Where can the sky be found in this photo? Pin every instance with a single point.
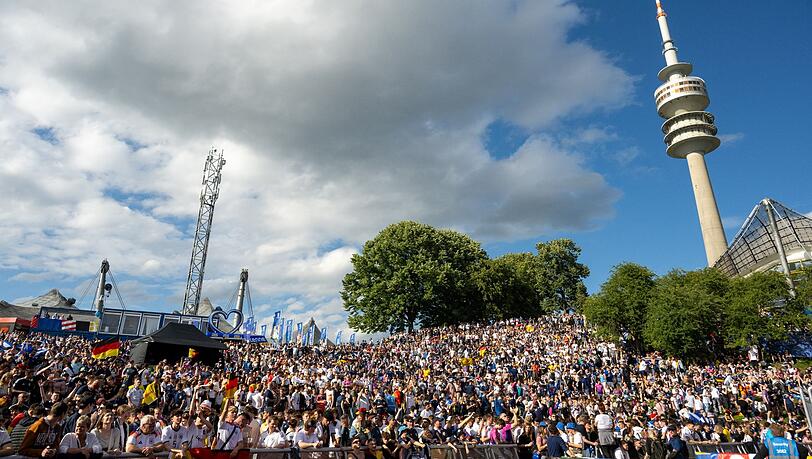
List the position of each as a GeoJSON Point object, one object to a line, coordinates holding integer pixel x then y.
{"type": "Point", "coordinates": [515, 122]}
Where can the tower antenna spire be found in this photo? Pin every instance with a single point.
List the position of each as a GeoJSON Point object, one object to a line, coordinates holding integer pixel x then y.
{"type": "Point", "coordinates": [690, 134]}
{"type": "Point", "coordinates": [669, 49]}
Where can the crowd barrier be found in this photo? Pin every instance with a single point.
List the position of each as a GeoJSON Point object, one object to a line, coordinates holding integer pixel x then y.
{"type": "Point", "coordinates": [700, 449]}
{"type": "Point", "coordinates": [434, 452]}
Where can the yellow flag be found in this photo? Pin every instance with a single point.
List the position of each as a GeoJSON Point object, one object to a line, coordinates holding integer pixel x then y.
{"type": "Point", "coordinates": [151, 393]}
{"type": "Point", "coordinates": [529, 328]}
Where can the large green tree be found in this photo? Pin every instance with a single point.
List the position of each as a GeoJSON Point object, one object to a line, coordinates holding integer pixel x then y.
{"type": "Point", "coordinates": [758, 307]}
{"type": "Point", "coordinates": [685, 313]}
{"type": "Point", "coordinates": [507, 286]}
{"type": "Point", "coordinates": [803, 286]}
{"type": "Point", "coordinates": [559, 275]}
{"type": "Point", "coordinates": [411, 274]}
{"type": "Point", "coordinates": [620, 308]}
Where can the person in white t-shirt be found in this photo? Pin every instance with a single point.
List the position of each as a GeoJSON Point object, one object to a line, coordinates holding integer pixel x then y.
{"type": "Point", "coordinates": [176, 436]}
{"type": "Point", "coordinates": [273, 438]}
{"type": "Point", "coordinates": [307, 438]}
{"type": "Point", "coordinates": [229, 433]}
{"type": "Point", "coordinates": [146, 440]}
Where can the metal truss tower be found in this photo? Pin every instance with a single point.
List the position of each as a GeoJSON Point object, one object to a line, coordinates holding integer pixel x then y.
{"type": "Point", "coordinates": [208, 196]}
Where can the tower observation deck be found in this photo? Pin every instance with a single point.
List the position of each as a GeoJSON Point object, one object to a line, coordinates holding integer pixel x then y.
{"type": "Point", "coordinates": [690, 134]}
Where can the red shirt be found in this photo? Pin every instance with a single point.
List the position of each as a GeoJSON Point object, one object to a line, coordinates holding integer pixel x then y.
{"type": "Point", "coordinates": [16, 419]}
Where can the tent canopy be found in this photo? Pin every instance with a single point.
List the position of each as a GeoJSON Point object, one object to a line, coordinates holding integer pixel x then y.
{"type": "Point", "coordinates": [182, 335]}
{"type": "Point", "coordinates": [172, 342]}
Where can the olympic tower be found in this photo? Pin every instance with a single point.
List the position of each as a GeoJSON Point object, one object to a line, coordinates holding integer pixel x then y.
{"type": "Point", "coordinates": [690, 134]}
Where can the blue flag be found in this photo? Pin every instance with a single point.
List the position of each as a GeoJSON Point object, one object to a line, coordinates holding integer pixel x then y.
{"type": "Point", "coordinates": [276, 316]}
{"type": "Point", "coordinates": [7, 345]}
{"type": "Point", "coordinates": [289, 331]}
{"type": "Point", "coordinates": [311, 333]}
{"type": "Point", "coordinates": [281, 329]}
{"type": "Point", "coordinates": [352, 338]}
{"type": "Point", "coordinates": [323, 335]}
{"type": "Point", "coordinates": [338, 337]}
{"type": "Point", "coordinates": [264, 329]}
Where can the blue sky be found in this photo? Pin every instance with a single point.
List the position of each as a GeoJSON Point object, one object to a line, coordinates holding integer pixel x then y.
{"type": "Point", "coordinates": [750, 56]}
{"type": "Point", "coordinates": [513, 122]}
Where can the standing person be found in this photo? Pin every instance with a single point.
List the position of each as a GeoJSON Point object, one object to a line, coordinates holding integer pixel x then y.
{"type": "Point", "coordinates": [135, 394]}
{"type": "Point", "coordinates": [42, 437]}
{"type": "Point", "coordinates": [606, 433]}
{"type": "Point", "coordinates": [146, 440]}
{"type": "Point", "coordinates": [777, 446]}
{"type": "Point", "coordinates": [676, 446]}
{"type": "Point", "coordinates": [176, 436]}
{"type": "Point", "coordinates": [81, 443]}
{"type": "Point", "coordinates": [307, 438]}
{"type": "Point", "coordinates": [108, 434]}
{"type": "Point", "coordinates": [229, 432]}
{"type": "Point", "coordinates": [555, 446]}
{"type": "Point", "coordinates": [273, 438]}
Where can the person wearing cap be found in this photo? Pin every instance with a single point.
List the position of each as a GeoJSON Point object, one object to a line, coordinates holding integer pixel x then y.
{"type": "Point", "coordinates": [575, 441]}
{"type": "Point", "coordinates": [777, 446]}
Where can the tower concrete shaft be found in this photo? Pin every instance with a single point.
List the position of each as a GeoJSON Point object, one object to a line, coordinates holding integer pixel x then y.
{"type": "Point", "coordinates": [690, 133]}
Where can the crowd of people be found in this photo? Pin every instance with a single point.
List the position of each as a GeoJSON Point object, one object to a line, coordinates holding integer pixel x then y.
{"type": "Point", "coordinates": [548, 385]}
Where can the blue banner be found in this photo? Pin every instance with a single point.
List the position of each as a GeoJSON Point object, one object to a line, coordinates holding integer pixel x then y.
{"type": "Point", "coordinates": [352, 338]}
{"type": "Point", "coordinates": [276, 316]}
{"type": "Point", "coordinates": [311, 333]}
{"type": "Point", "coordinates": [264, 329]}
{"type": "Point", "coordinates": [289, 330]}
{"type": "Point", "coordinates": [323, 335]}
{"type": "Point", "coordinates": [338, 337]}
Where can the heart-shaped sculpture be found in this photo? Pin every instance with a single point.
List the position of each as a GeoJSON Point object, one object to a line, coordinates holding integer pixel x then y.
{"type": "Point", "coordinates": [222, 316]}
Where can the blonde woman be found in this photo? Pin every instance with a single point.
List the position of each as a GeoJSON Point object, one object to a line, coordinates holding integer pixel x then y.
{"type": "Point", "coordinates": [81, 442]}
{"type": "Point", "coordinates": [109, 435]}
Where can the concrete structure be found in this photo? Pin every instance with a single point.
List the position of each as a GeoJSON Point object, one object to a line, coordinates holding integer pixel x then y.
{"type": "Point", "coordinates": [690, 134]}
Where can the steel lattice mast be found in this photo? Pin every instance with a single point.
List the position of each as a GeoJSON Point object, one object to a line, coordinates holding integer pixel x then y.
{"type": "Point", "coordinates": [208, 196]}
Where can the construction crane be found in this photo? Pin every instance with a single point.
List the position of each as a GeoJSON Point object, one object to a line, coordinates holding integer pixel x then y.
{"type": "Point", "coordinates": [211, 189]}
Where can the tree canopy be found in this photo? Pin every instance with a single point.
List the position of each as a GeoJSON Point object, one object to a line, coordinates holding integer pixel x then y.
{"type": "Point", "coordinates": [619, 310]}
{"type": "Point", "coordinates": [412, 274]}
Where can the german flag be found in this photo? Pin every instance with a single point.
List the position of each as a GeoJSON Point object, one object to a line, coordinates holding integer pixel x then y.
{"type": "Point", "coordinates": [231, 387]}
{"type": "Point", "coordinates": [106, 348]}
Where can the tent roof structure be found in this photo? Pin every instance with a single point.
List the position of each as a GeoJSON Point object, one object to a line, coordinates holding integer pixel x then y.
{"type": "Point", "coordinates": [182, 335]}
{"type": "Point", "coordinates": [754, 245]}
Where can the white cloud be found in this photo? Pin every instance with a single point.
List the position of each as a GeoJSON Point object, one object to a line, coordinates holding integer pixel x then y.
{"type": "Point", "coordinates": [336, 118]}
{"type": "Point", "coordinates": [731, 138]}
{"type": "Point", "coordinates": [732, 222]}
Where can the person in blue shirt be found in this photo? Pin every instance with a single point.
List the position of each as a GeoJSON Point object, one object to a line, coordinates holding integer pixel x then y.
{"type": "Point", "coordinates": [776, 446]}
{"type": "Point", "coordinates": [555, 444]}
{"type": "Point", "coordinates": [676, 446]}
